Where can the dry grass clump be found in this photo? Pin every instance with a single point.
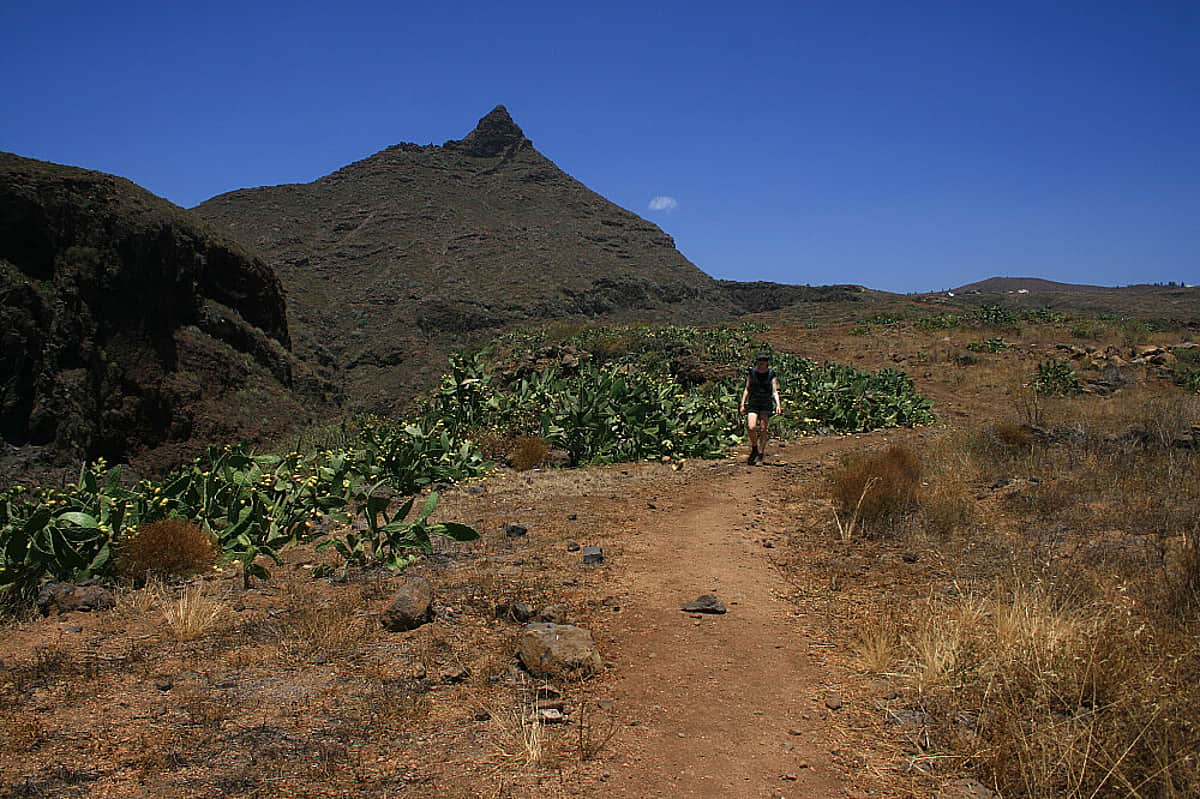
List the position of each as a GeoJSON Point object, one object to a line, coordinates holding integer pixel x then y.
{"type": "Point", "coordinates": [946, 507]}
{"type": "Point", "coordinates": [495, 445]}
{"type": "Point", "coordinates": [193, 614]}
{"type": "Point", "coordinates": [334, 628]}
{"type": "Point", "coordinates": [528, 452]}
{"type": "Point", "coordinates": [167, 547]}
{"type": "Point", "coordinates": [520, 738]}
{"type": "Point", "coordinates": [1000, 445]}
{"type": "Point", "coordinates": [1065, 699]}
{"type": "Point", "coordinates": [878, 642]}
{"type": "Point", "coordinates": [877, 489]}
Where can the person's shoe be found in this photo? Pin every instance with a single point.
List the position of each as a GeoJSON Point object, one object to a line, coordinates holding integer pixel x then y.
{"type": "Point", "coordinates": [753, 455]}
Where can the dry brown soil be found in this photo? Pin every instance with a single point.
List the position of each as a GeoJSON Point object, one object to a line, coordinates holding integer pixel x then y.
{"type": "Point", "coordinates": [296, 691]}
{"type": "Point", "coordinates": [277, 700]}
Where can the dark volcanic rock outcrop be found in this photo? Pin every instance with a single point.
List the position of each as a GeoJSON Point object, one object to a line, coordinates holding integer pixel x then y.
{"type": "Point", "coordinates": [390, 261]}
{"type": "Point", "coordinates": [760, 295]}
{"type": "Point", "coordinates": [126, 323]}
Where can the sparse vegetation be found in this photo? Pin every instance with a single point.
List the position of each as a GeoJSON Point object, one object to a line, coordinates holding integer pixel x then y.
{"type": "Point", "coordinates": [1055, 378]}
{"type": "Point", "coordinates": [877, 490]}
{"type": "Point", "coordinates": [193, 614]}
{"type": "Point", "coordinates": [1077, 672]}
{"type": "Point", "coordinates": [992, 344]}
{"type": "Point", "coordinates": [1019, 589]}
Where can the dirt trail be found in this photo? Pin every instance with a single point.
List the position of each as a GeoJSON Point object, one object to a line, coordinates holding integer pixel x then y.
{"type": "Point", "coordinates": [721, 706]}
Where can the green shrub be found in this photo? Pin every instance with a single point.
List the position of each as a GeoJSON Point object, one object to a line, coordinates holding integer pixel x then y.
{"type": "Point", "coordinates": [993, 344]}
{"type": "Point", "coordinates": [944, 321]}
{"type": "Point", "coordinates": [1188, 377]}
{"type": "Point", "coordinates": [993, 316]}
{"type": "Point", "coordinates": [1056, 378]}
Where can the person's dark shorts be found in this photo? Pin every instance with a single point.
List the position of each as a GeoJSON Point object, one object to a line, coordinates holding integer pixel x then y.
{"type": "Point", "coordinates": [761, 410]}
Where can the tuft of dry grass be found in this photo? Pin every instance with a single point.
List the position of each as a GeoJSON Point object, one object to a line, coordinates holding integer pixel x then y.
{"type": "Point", "coordinates": [877, 489]}
{"type": "Point", "coordinates": [193, 614]}
{"type": "Point", "coordinates": [520, 737]}
{"type": "Point", "coordinates": [1071, 698]}
{"type": "Point", "coordinates": [946, 507]}
{"type": "Point", "coordinates": [167, 547]}
{"type": "Point", "coordinates": [878, 644]}
{"type": "Point", "coordinates": [333, 628]}
{"type": "Point", "coordinates": [528, 452]}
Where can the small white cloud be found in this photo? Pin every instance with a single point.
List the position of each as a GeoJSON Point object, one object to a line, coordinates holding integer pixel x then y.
{"type": "Point", "coordinates": [662, 203]}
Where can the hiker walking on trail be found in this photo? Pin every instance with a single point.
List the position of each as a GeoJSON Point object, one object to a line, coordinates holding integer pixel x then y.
{"type": "Point", "coordinates": [760, 399]}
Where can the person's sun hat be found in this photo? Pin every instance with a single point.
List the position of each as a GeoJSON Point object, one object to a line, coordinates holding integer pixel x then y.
{"type": "Point", "coordinates": [762, 356]}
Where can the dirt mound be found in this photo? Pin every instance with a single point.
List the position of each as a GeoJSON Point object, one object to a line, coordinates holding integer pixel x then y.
{"type": "Point", "coordinates": [128, 325]}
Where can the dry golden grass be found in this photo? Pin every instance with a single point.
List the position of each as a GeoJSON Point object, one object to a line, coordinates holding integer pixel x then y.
{"type": "Point", "coordinates": [878, 644]}
{"type": "Point", "coordinates": [316, 626]}
{"type": "Point", "coordinates": [519, 738]}
{"type": "Point", "coordinates": [1069, 699]}
{"type": "Point", "coordinates": [193, 614]}
{"type": "Point", "coordinates": [877, 489]}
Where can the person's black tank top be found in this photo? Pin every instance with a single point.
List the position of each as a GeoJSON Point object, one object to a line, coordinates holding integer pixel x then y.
{"type": "Point", "coordinates": [760, 386]}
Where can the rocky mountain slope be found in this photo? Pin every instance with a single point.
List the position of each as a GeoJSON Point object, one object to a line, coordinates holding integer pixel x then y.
{"type": "Point", "coordinates": [390, 261]}
{"type": "Point", "coordinates": [130, 328]}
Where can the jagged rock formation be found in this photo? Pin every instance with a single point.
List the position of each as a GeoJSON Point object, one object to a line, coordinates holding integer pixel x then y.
{"type": "Point", "coordinates": [128, 326]}
{"type": "Point", "coordinates": [391, 260]}
{"type": "Point", "coordinates": [760, 295]}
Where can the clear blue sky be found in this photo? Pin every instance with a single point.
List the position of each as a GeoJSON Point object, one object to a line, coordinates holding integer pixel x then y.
{"type": "Point", "coordinates": [906, 146]}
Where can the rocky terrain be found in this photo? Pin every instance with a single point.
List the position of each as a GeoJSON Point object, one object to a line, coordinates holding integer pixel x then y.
{"type": "Point", "coordinates": [390, 261]}
{"type": "Point", "coordinates": [131, 329]}
{"type": "Point", "coordinates": [1026, 627]}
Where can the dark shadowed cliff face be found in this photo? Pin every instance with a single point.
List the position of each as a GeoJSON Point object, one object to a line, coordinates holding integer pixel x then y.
{"type": "Point", "coordinates": [126, 324]}
{"type": "Point", "coordinates": [391, 260]}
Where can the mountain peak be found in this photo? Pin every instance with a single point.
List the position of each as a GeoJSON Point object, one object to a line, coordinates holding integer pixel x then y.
{"type": "Point", "coordinates": [494, 134]}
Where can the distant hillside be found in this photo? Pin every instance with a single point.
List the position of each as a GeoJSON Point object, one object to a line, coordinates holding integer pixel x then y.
{"type": "Point", "coordinates": [1007, 284]}
{"type": "Point", "coordinates": [390, 261]}
{"type": "Point", "coordinates": [1146, 301]}
{"type": "Point", "coordinates": [131, 329]}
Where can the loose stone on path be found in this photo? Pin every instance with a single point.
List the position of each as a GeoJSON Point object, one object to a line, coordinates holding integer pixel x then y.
{"type": "Point", "coordinates": [705, 603]}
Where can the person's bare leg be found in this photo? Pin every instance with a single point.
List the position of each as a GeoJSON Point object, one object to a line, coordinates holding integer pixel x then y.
{"type": "Point", "coordinates": [762, 436]}
{"type": "Point", "coordinates": [752, 434]}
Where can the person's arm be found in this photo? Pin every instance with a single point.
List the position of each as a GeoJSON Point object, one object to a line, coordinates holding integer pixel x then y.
{"type": "Point", "coordinates": [745, 396]}
{"type": "Point", "coordinates": [775, 392]}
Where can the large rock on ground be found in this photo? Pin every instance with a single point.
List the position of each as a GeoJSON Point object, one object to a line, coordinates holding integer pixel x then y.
{"type": "Point", "coordinates": [411, 607]}
{"type": "Point", "coordinates": [553, 650]}
{"type": "Point", "coordinates": [68, 597]}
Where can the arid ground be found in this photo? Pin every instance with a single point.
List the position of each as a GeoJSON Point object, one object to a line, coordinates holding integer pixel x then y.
{"type": "Point", "coordinates": [1020, 622]}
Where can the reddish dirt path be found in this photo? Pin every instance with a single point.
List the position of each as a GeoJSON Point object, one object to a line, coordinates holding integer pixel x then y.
{"type": "Point", "coordinates": [716, 706]}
